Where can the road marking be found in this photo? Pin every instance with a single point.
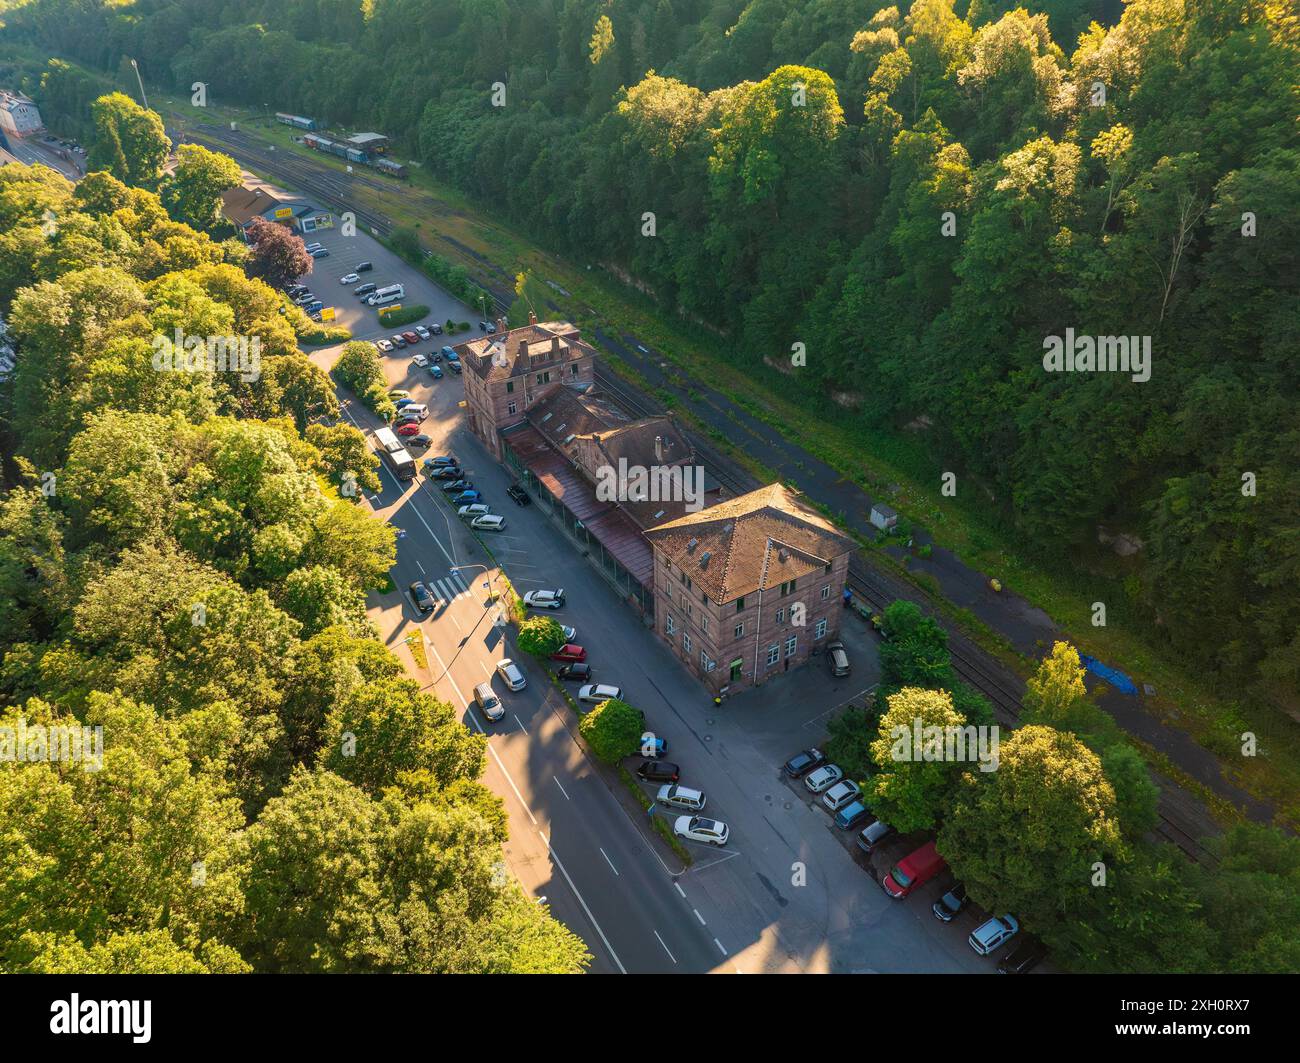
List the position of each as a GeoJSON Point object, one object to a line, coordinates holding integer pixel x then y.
{"type": "Point", "coordinates": [520, 723]}
{"type": "Point", "coordinates": [677, 886]}
{"type": "Point", "coordinates": [719, 944]}
{"type": "Point", "coordinates": [666, 949]}
{"type": "Point", "coordinates": [455, 621]}
{"type": "Point", "coordinates": [486, 669]}
{"type": "Point", "coordinates": [566, 793]}
{"type": "Point", "coordinates": [609, 861]}
{"type": "Point", "coordinates": [699, 917]}
{"type": "Point", "coordinates": [563, 871]}
{"type": "Point", "coordinates": [419, 566]}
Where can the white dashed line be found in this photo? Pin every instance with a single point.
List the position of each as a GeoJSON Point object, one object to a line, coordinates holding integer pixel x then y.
{"type": "Point", "coordinates": [609, 861]}
{"type": "Point", "coordinates": [520, 723]}
{"type": "Point", "coordinates": [613, 955]}
{"type": "Point", "coordinates": [678, 887]}
{"type": "Point", "coordinates": [566, 794]}
{"type": "Point", "coordinates": [699, 917]}
{"type": "Point", "coordinates": [666, 949]}
{"type": "Point", "coordinates": [720, 948]}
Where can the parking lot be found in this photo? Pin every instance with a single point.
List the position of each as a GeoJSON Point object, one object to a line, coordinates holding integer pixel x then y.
{"type": "Point", "coordinates": [345, 253]}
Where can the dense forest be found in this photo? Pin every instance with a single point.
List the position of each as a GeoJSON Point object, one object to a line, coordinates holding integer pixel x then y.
{"type": "Point", "coordinates": [183, 566]}
{"type": "Point", "coordinates": [922, 196]}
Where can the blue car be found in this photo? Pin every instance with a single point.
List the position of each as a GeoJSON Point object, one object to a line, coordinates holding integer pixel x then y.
{"type": "Point", "coordinates": [435, 372]}
{"type": "Point", "coordinates": [399, 403]}
{"type": "Point", "coordinates": [452, 356]}
{"type": "Point", "coordinates": [851, 815]}
{"type": "Point", "coordinates": [467, 497]}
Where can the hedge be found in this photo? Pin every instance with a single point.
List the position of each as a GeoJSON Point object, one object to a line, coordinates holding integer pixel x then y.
{"type": "Point", "coordinates": [403, 315]}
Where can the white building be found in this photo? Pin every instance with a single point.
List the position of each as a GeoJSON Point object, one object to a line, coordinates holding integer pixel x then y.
{"type": "Point", "coordinates": [18, 115]}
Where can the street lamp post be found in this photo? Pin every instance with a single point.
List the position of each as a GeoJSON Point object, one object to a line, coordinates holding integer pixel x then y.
{"type": "Point", "coordinates": [140, 81]}
{"type": "Point", "coordinates": [488, 583]}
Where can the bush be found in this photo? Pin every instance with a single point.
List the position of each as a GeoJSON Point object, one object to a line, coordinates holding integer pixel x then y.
{"type": "Point", "coordinates": [360, 371]}
{"type": "Point", "coordinates": [613, 729]}
{"type": "Point", "coordinates": [540, 635]}
{"type": "Point", "coordinates": [402, 315]}
{"type": "Point", "coordinates": [849, 744]}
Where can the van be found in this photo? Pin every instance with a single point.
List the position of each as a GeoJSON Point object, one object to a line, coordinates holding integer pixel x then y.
{"type": "Point", "coordinates": [389, 294]}
{"type": "Point", "coordinates": [913, 871]}
{"type": "Point", "coordinates": [681, 797]}
{"type": "Point", "coordinates": [418, 409]}
{"type": "Point", "coordinates": [488, 702]}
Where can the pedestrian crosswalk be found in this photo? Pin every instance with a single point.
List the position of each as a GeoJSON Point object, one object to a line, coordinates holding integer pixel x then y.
{"type": "Point", "coordinates": [450, 589]}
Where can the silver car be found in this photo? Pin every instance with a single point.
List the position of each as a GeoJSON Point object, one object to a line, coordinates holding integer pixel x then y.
{"type": "Point", "coordinates": [823, 778]}
{"type": "Point", "coordinates": [509, 671]}
{"type": "Point", "coordinates": [841, 794]}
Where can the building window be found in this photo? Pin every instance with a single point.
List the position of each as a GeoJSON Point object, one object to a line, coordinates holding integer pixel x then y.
{"type": "Point", "coordinates": [687, 580]}
{"type": "Point", "coordinates": [819, 632]}
{"type": "Point", "coordinates": [791, 644]}
{"type": "Point", "coordinates": [826, 592]}
{"type": "Point", "coordinates": [740, 605]}
{"type": "Point", "coordinates": [704, 624]}
{"type": "Point", "coordinates": [787, 588]}
{"type": "Point", "coordinates": [686, 642]}
{"type": "Point", "coordinates": [543, 378]}
{"type": "Point", "coordinates": [669, 626]}
{"type": "Point", "coordinates": [773, 655]}
{"type": "Point", "coordinates": [828, 569]}
{"type": "Point", "coordinates": [513, 408]}
{"type": "Point", "coordinates": [740, 630]}
{"type": "Point", "coordinates": [573, 370]}
{"type": "Point", "coordinates": [510, 387]}
{"type": "Point", "coordinates": [780, 615]}
{"type": "Point", "coordinates": [690, 609]}
{"type": "Point", "coordinates": [707, 663]}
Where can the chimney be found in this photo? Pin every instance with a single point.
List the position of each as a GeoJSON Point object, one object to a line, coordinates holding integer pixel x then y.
{"type": "Point", "coordinates": [532, 318]}
{"type": "Point", "coordinates": [523, 347]}
{"type": "Point", "coordinates": [659, 449]}
{"type": "Point", "coordinates": [690, 547]}
{"type": "Point", "coordinates": [555, 346]}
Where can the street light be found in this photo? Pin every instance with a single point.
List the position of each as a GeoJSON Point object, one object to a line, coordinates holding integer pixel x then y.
{"type": "Point", "coordinates": [487, 584]}
{"type": "Point", "coordinates": [140, 81]}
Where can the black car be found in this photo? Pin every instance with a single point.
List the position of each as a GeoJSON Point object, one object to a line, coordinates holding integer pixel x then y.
{"type": "Point", "coordinates": [364, 267]}
{"type": "Point", "coordinates": [455, 366]}
{"type": "Point", "coordinates": [434, 357]}
{"type": "Point", "coordinates": [520, 496]}
{"type": "Point", "coordinates": [455, 487]}
{"type": "Point", "coordinates": [448, 472]}
{"type": "Point", "coordinates": [949, 906]}
{"type": "Point", "coordinates": [419, 441]}
{"type": "Point", "coordinates": [1024, 957]}
{"type": "Point", "coordinates": [423, 599]}
{"type": "Point", "coordinates": [575, 673]}
{"type": "Point", "coordinates": [482, 326]}
{"type": "Point", "coordinates": [658, 771]}
{"type": "Point", "coordinates": [436, 329]}
{"type": "Point", "coordinates": [873, 834]}
{"type": "Point", "coordinates": [364, 289]}
{"type": "Point", "coordinates": [802, 763]}
{"type": "Point", "coordinates": [443, 459]}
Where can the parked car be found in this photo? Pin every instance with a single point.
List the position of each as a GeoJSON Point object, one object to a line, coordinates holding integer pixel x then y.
{"type": "Point", "coordinates": [570, 652]}
{"type": "Point", "coordinates": [488, 522]}
{"type": "Point", "coordinates": [520, 496]}
{"type": "Point", "coordinates": [842, 793]}
{"type": "Point", "coordinates": [478, 509]}
{"type": "Point", "coordinates": [544, 599]}
{"type": "Point", "coordinates": [466, 497]}
{"type": "Point", "coordinates": [510, 673]}
{"type": "Point", "coordinates": [1024, 957]}
{"type": "Point", "coordinates": [491, 328]}
{"type": "Point", "coordinates": [436, 329]}
{"type": "Point", "coordinates": [447, 472]}
{"type": "Point", "coordinates": [456, 486]}
{"type": "Point", "coordinates": [403, 400]}
{"type": "Point", "coordinates": [410, 428]}
{"type": "Point", "coordinates": [385, 345]}
{"type": "Point", "coordinates": [570, 633]}
{"type": "Point", "coordinates": [658, 771]}
{"type": "Point", "coordinates": [420, 440]}
{"type": "Point", "coordinates": [396, 340]}
{"type": "Point", "coordinates": [365, 267]}
{"type": "Point", "coordinates": [422, 332]}
{"type": "Point", "coordinates": [993, 933]}
{"type": "Point", "coordinates": [802, 763]}
{"type": "Point", "coordinates": [913, 871]}
{"type": "Point", "coordinates": [485, 698]}
{"type": "Point", "coordinates": [313, 246]}
{"type": "Point", "coordinates": [873, 834]}
{"type": "Point", "coordinates": [652, 745]}
{"type": "Point", "coordinates": [597, 692]}
{"type": "Point", "coordinates": [363, 289]}
{"type": "Point", "coordinates": [349, 278]}
{"type": "Point", "coordinates": [435, 372]}
{"type": "Point", "coordinates": [399, 393]}
{"type": "Point", "coordinates": [304, 298]}
{"type": "Point", "coordinates": [699, 829]}
{"type": "Point", "coordinates": [442, 459]}
{"type": "Point", "coordinates": [821, 780]}
{"type": "Point", "coordinates": [482, 326]}
{"type": "Point", "coordinates": [420, 360]}
{"type": "Point", "coordinates": [424, 601]}
{"type": "Point", "coordinates": [574, 673]}
{"type": "Point", "coordinates": [455, 367]}
{"type": "Point", "coordinates": [950, 905]}
{"type": "Point", "coordinates": [851, 815]}
{"type": "Point", "coordinates": [435, 356]}
{"type": "Point", "coordinates": [411, 336]}
{"type": "Point", "coordinates": [320, 252]}
{"type": "Point", "coordinates": [448, 353]}
{"type": "Point", "coordinates": [837, 658]}
{"type": "Point", "coordinates": [678, 796]}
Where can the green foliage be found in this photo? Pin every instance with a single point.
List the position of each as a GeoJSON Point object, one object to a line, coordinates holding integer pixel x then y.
{"type": "Point", "coordinates": [613, 729]}
{"type": "Point", "coordinates": [360, 371]}
{"type": "Point", "coordinates": [912, 788]}
{"type": "Point", "coordinates": [193, 192]}
{"type": "Point", "coordinates": [395, 318]}
{"type": "Point", "coordinates": [540, 635]}
{"type": "Point", "coordinates": [130, 142]}
{"type": "Point", "coordinates": [849, 744]}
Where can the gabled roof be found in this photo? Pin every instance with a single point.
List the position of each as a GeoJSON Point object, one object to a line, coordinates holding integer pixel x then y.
{"type": "Point", "coordinates": [545, 344]}
{"type": "Point", "coordinates": [756, 541]}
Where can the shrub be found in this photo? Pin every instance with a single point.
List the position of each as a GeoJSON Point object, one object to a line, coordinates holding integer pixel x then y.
{"type": "Point", "coordinates": [613, 730]}
{"type": "Point", "coordinates": [402, 315]}
{"type": "Point", "coordinates": [849, 744]}
{"type": "Point", "coordinates": [360, 371]}
{"type": "Point", "coordinates": [540, 635]}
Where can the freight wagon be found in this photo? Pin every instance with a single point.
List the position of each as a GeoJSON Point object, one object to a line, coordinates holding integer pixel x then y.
{"type": "Point", "coordinates": [295, 120]}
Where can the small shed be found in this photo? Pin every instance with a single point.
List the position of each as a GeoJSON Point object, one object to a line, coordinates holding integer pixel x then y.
{"type": "Point", "coordinates": [883, 517]}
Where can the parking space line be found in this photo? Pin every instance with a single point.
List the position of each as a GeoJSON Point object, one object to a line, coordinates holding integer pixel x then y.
{"type": "Point", "coordinates": [519, 722]}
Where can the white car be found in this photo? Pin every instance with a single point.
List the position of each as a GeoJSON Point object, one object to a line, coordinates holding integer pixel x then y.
{"type": "Point", "coordinates": [384, 345]}
{"type": "Point", "coordinates": [350, 278]}
{"type": "Point", "coordinates": [509, 671]}
{"type": "Point", "coordinates": [422, 332]}
{"type": "Point", "coordinates": [570, 633]}
{"type": "Point", "coordinates": [420, 360]}
{"type": "Point", "coordinates": [699, 829]}
{"type": "Point", "coordinates": [544, 599]}
{"type": "Point", "coordinates": [823, 778]}
{"type": "Point", "coordinates": [994, 933]}
{"type": "Point", "coordinates": [841, 794]}
{"type": "Point", "coordinates": [478, 509]}
{"type": "Point", "coordinates": [488, 522]}
{"type": "Point", "coordinates": [595, 693]}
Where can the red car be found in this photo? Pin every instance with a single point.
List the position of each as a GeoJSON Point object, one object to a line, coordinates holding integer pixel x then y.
{"type": "Point", "coordinates": [411, 428]}
{"type": "Point", "coordinates": [410, 337]}
{"type": "Point", "coordinates": [570, 653]}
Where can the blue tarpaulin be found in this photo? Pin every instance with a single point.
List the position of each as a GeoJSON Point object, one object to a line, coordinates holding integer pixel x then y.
{"type": "Point", "coordinates": [1113, 676]}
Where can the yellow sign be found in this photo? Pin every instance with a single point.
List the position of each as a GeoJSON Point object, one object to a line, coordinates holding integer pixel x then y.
{"type": "Point", "coordinates": [389, 309]}
{"type": "Point", "coordinates": [327, 314]}
{"type": "Point", "coordinates": [284, 212]}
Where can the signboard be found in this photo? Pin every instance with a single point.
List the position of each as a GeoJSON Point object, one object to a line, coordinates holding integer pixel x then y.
{"type": "Point", "coordinates": [327, 314]}
{"type": "Point", "coordinates": [284, 212]}
{"type": "Point", "coordinates": [389, 309]}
